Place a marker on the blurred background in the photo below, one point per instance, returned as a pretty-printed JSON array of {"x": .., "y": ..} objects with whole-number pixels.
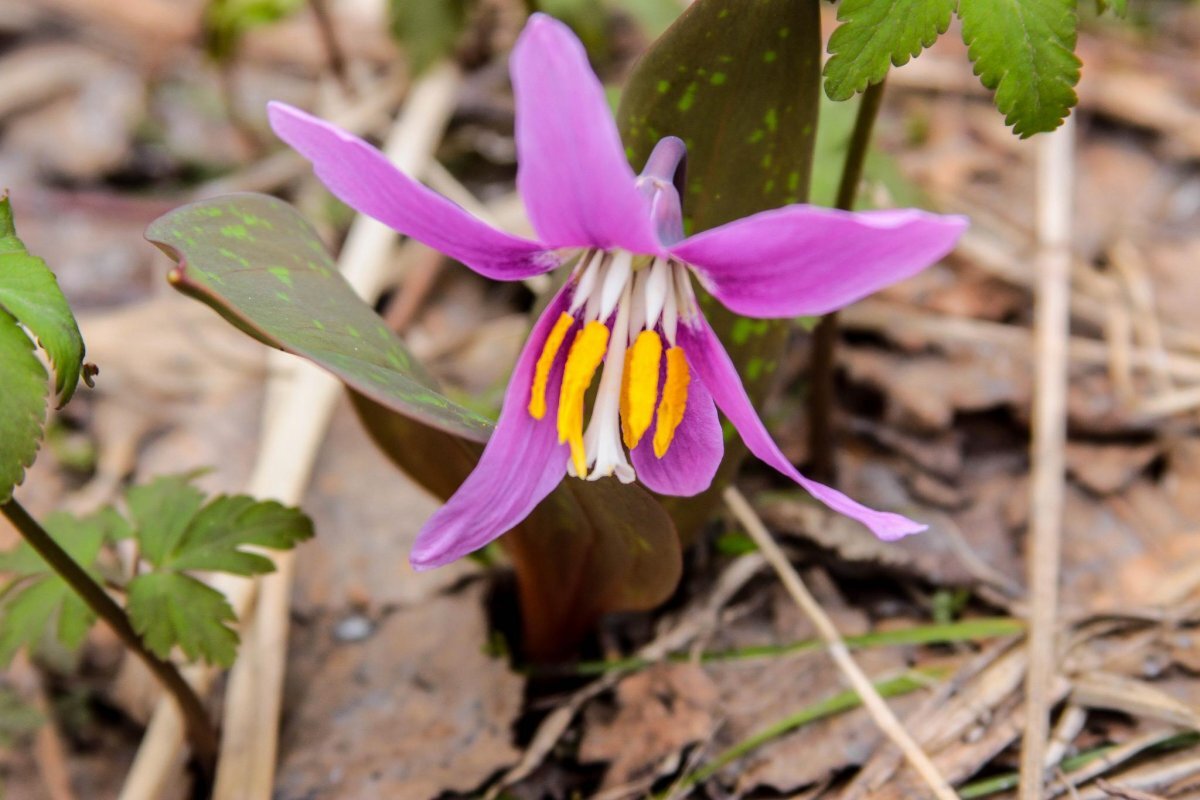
[{"x": 400, "y": 684}]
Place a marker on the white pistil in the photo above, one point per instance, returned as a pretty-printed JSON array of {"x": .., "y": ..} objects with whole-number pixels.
[
  {"x": 615, "y": 282},
  {"x": 587, "y": 281},
  {"x": 602, "y": 440},
  {"x": 658, "y": 283}
]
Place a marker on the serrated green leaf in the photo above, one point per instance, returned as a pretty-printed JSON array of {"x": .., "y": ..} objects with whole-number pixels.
[
  {"x": 877, "y": 33},
  {"x": 1025, "y": 51},
  {"x": 22, "y": 404},
  {"x": 214, "y": 539},
  {"x": 39, "y": 604},
  {"x": 255, "y": 261},
  {"x": 428, "y": 31},
  {"x": 169, "y": 609},
  {"x": 29, "y": 292},
  {"x": 161, "y": 512}
]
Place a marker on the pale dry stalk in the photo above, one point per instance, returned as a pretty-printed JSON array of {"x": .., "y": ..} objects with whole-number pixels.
[
  {"x": 294, "y": 428},
  {"x": 1055, "y": 184},
  {"x": 876, "y": 706}
]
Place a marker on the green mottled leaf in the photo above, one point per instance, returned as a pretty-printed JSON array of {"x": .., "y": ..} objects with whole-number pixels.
[
  {"x": 875, "y": 34},
  {"x": 38, "y": 606},
  {"x": 261, "y": 266},
  {"x": 428, "y": 31},
  {"x": 437, "y": 441},
  {"x": 739, "y": 82},
  {"x": 161, "y": 511},
  {"x": 169, "y": 609},
  {"x": 216, "y": 536},
  {"x": 1024, "y": 50}
]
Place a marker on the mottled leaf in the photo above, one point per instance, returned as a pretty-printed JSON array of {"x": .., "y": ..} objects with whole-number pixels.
[
  {"x": 1024, "y": 50},
  {"x": 619, "y": 545},
  {"x": 261, "y": 266},
  {"x": 169, "y": 609},
  {"x": 876, "y": 34},
  {"x": 739, "y": 82}
]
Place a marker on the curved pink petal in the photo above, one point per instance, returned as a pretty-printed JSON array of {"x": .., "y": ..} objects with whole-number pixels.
[
  {"x": 521, "y": 464},
  {"x": 808, "y": 260},
  {"x": 363, "y": 178},
  {"x": 571, "y": 169},
  {"x": 688, "y": 466},
  {"x": 712, "y": 366}
]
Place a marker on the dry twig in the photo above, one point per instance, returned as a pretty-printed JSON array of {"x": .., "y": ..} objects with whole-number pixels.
[
  {"x": 1052, "y": 314},
  {"x": 879, "y": 710}
]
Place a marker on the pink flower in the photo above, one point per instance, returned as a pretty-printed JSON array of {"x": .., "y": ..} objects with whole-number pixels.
[{"x": 628, "y": 310}]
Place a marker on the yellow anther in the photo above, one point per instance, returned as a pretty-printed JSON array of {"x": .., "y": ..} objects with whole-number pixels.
[
  {"x": 640, "y": 390},
  {"x": 674, "y": 400},
  {"x": 537, "y": 393},
  {"x": 587, "y": 351}
]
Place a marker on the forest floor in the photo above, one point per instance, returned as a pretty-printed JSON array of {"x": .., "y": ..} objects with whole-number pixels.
[{"x": 401, "y": 685}]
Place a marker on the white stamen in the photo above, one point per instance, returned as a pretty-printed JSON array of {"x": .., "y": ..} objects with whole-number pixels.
[
  {"x": 587, "y": 281},
  {"x": 637, "y": 305},
  {"x": 687, "y": 298},
  {"x": 615, "y": 282},
  {"x": 658, "y": 283},
  {"x": 670, "y": 317},
  {"x": 592, "y": 310},
  {"x": 602, "y": 440}
]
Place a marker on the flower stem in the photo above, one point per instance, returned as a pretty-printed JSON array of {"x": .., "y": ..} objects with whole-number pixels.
[
  {"x": 821, "y": 433},
  {"x": 201, "y": 733}
]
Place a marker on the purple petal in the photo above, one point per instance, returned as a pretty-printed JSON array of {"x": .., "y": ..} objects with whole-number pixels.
[
  {"x": 808, "y": 260},
  {"x": 712, "y": 366},
  {"x": 521, "y": 464},
  {"x": 572, "y": 173},
  {"x": 688, "y": 466},
  {"x": 363, "y": 178}
]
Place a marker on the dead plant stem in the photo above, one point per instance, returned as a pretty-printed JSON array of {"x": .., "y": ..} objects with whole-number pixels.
[
  {"x": 880, "y": 712},
  {"x": 1054, "y": 186},
  {"x": 822, "y": 436},
  {"x": 201, "y": 733}
]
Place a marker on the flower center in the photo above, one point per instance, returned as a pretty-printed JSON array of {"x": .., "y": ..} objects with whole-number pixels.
[{"x": 622, "y": 309}]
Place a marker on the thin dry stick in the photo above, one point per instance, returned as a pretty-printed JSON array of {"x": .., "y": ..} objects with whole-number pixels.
[
  {"x": 246, "y": 768},
  {"x": 294, "y": 429},
  {"x": 1052, "y": 318},
  {"x": 880, "y": 712}
]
